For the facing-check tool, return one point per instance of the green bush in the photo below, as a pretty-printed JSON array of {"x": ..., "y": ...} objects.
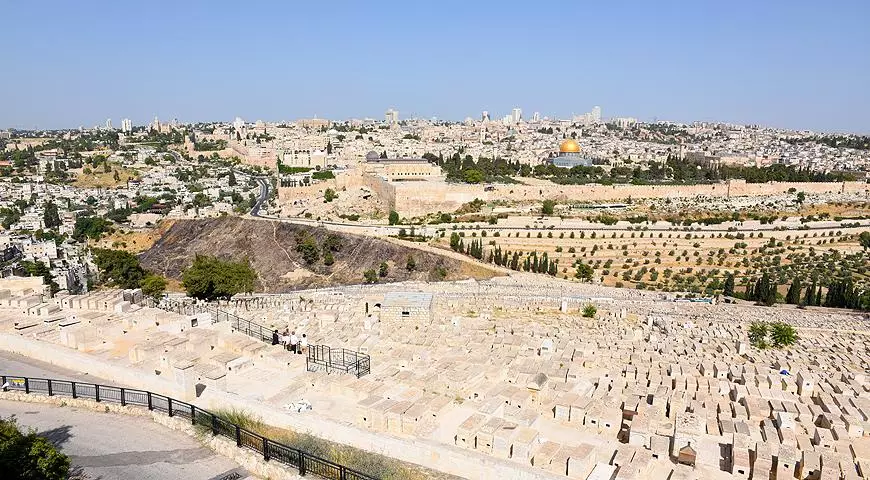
[
  {"x": 589, "y": 310},
  {"x": 28, "y": 456},
  {"x": 210, "y": 278}
]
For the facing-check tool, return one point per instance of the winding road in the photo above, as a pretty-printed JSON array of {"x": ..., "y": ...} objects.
[{"x": 110, "y": 446}]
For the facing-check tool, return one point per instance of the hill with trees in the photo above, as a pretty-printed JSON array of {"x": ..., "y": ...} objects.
[{"x": 286, "y": 257}]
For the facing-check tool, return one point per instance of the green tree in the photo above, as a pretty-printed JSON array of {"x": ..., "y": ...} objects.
[
  {"x": 728, "y": 290},
  {"x": 119, "y": 268},
  {"x": 455, "y": 242},
  {"x": 28, "y": 456},
  {"x": 394, "y": 217},
  {"x": 864, "y": 240},
  {"x": 370, "y": 276},
  {"x": 472, "y": 175},
  {"x": 411, "y": 264},
  {"x": 231, "y": 179},
  {"x": 383, "y": 269},
  {"x": 794, "y": 292},
  {"x": 589, "y": 310},
  {"x": 309, "y": 250},
  {"x": 801, "y": 196},
  {"x": 50, "y": 216},
  {"x": 584, "y": 272},
  {"x": 547, "y": 207},
  {"x": 328, "y": 259},
  {"x": 329, "y": 195},
  {"x": 210, "y": 278},
  {"x": 90, "y": 227},
  {"x": 153, "y": 286}
]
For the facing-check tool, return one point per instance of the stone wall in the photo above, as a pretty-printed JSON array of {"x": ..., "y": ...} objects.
[{"x": 419, "y": 198}]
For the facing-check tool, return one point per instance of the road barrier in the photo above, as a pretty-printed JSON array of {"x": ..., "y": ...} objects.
[{"x": 269, "y": 449}]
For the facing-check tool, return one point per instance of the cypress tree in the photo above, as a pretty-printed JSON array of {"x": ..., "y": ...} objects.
[
  {"x": 810, "y": 296},
  {"x": 728, "y": 291},
  {"x": 794, "y": 293}
]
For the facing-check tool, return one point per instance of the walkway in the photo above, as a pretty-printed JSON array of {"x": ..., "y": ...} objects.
[{"x": 112, "y": 446}]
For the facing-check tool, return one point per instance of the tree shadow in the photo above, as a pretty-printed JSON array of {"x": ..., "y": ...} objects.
[{"x": 57, "y": 436}]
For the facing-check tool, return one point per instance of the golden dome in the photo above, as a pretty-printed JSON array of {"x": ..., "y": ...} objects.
[{"x": 569, "y": 146}]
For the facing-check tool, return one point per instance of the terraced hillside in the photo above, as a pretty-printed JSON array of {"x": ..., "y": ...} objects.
[{"x": 288, "y": 257}]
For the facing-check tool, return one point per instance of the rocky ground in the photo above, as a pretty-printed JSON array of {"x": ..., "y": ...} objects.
[{"x": 271, "y": 248}]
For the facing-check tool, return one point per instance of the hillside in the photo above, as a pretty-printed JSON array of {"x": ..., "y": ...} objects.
[{"x": 271, "y": 248}]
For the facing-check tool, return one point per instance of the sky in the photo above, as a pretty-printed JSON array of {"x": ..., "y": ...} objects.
[{"x": 793, "y": 64}]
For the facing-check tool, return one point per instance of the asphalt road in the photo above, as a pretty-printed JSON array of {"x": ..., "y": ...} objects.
[{"x": 110, "y": 446}]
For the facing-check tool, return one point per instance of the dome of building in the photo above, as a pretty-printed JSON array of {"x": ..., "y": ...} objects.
[
  {"x": 569, "y": 146},
  {"x": 373, "y": 155}
]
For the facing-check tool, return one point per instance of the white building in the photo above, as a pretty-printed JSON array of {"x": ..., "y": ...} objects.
[
  {"x": 516, "y": 115},
  {"x": 391, "y": 116},
  {"x": 126, "y": 125},
  {"x": 108, "y": 124},
  {"x": 596, "y": 114}
]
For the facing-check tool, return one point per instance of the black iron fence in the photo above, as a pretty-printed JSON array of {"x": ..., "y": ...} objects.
[
  {"x": 331, "y": 359},
  {"x": 337, "y": 359},
  {"x": 269, "y": 449}
]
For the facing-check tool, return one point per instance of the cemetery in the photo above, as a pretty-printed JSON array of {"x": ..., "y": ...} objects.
[{"x": 499, "y": 378}]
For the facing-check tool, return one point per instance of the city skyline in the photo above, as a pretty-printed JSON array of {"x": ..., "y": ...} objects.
[{"x": 791, "y": 65}]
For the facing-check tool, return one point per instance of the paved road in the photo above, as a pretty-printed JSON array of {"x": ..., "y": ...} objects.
[
  {"x": 13, "y": 364},
  {"x": 263, "y": 195},
  {"x": 91, "y": 439},
  {"x": 113, "y": 446}
]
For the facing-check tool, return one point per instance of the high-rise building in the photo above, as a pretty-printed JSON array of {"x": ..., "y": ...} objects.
[
  {"x": 155, "y": 125},
  {"x": 536, "y": 117},
  {"x": 108, "y": 124},
  {"x": 126, "y": 125},
  {"x": 238, "y": 124},
  {"x": 596, "y": 114},
  {"x": 391, "y": 116},
  {"x": 484, "y": 116},
  {"x": 517, "y": 115}
]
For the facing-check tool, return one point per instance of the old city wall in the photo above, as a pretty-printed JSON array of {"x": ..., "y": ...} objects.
[
  {"x": 381, "y": 189},
  {"x": 420, "y": 198},
  {"x": 306, "y": 191}
]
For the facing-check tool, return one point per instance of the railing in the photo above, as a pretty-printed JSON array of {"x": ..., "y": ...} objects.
[
  {"x": 269, "y": 449},
  {"x": 332, "y": 359},
  {"x": 340, "y": 359}
]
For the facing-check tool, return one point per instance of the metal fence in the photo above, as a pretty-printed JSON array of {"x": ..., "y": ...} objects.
[
  {"x": 332, "y": 359},
  {"x": 306, "y": 463},
  {"x": 337, "y": 359}
]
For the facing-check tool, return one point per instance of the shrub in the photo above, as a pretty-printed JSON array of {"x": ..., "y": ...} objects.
[
  {"x": 782, "y": 334},
  {"x": 209, "y": 278},
  {"x": 27, "y": 455},
  {"x": 589, "y": 310}
]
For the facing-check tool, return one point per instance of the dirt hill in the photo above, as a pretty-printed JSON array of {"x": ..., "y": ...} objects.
[{"x": 271, "y": 248}]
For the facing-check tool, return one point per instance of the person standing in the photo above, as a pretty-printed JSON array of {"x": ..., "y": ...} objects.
[
  {"x": 285, "y": 339},
  {"x": 275, "y": 337},
  {"x": 303, "y": 344},
  {"x": 294, "y": 342}
]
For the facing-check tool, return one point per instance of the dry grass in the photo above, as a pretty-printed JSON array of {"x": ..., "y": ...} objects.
[
  {"x": 372, "y": 464},
  {"x": 100, "y": 179}
]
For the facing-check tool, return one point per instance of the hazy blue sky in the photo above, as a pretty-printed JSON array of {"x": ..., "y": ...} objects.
[{"x": 797, "y": 64}]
